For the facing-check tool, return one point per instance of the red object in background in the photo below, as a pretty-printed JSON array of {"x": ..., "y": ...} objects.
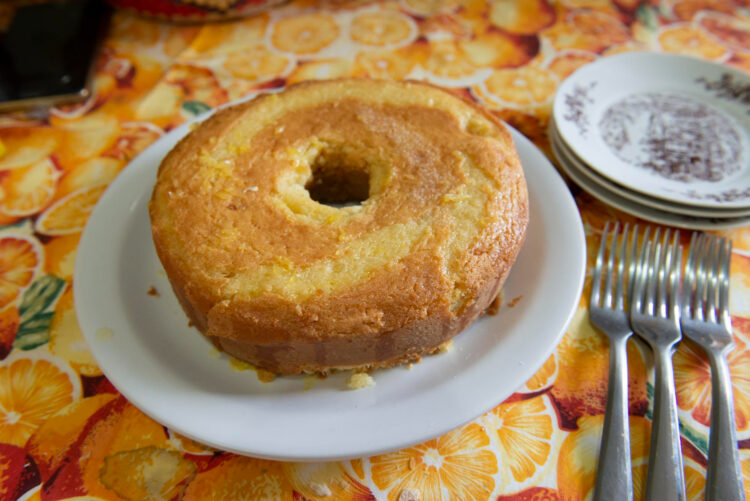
[{"x": 195, "y": 10}]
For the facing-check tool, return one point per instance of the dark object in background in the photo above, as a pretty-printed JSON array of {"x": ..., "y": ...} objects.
[
  {"x": 194, "y": 11},
  {"x": 47, "y": 52}
]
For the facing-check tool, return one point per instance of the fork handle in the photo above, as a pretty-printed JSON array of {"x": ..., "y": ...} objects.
[
  {"x": 724, "y": 478},
  {"x": 666, "y": 477},
  {"x": 614, "y": 478}
]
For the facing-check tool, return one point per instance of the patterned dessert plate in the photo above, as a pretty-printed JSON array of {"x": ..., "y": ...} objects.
[
  {"x": 636, "y": 209},
  {"x": 144, "y": 346},
  {"x": 573, "y": 162},
  {"x": 672, "y": 127}
]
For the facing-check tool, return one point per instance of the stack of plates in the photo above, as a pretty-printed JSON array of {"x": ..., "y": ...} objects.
[{"x": 665, "y": 138}]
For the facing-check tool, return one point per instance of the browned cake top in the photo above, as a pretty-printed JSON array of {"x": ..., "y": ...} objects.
[{"x": 234, "y": 210}]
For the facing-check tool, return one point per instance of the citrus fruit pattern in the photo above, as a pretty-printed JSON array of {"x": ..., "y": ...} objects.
[
  {"x": 65, "y": 432},
  {"x": 459, "y": 463},
  {"x": 28, "y": 190},
  {"x": 382, "y": 28},
  {"x": 68, "y": 215},
  {"x": 21, "y": 258},
  {"x": 33, "y": 388},
  {"x": 527, "y": 435},
  {"x": 304, "y": 34}
]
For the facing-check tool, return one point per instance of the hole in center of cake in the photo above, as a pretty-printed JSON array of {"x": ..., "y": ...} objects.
[{"x": 338, "y": 179}]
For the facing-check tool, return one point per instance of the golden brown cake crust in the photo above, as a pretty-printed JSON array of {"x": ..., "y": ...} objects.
[{"x": 291, "y": 285}]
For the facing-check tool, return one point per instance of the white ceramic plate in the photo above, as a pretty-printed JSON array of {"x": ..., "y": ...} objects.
[
  {"x": 672, "y": 127},
  {"x": 642, "y": 211},
  {"x": 167, "y": 369},
  {"x": 655, "y": 203}
]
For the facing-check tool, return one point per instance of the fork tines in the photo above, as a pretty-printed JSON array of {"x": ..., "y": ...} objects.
[{"x": 705, "y": 320}]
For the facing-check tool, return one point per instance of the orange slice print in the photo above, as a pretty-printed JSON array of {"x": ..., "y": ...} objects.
[
  {"x": 240, "y": 478},
  {"x": 693, "y": 382},
  {"x": 527, "y": 437},
  {"x": 256, "y": 64},
  {"x": 322, "y": 69},
  {"x": 382, "y": 28},
  {"x": 445, "y": 60},
  {"x": 21, "y": 259},
  {"x": 10, "y": 320},
  {"x": 33, "y": 388},
  {"x": 134, "y": 138},
  {"x": 60, "y": 256},
  {"x": 578, "y": 456},
  {"x": 28, "y": 190},
  {"x": 690, "y": 41},
  {"x": 566, "y": 62},
  {"x": 496, "y": 49},
  {"x": 458, "y": 464},
  {"x": 26, "y": 146},
  {"x": 305, "y": 34},
  {"x": 395, "y": 65},
  {"x": 50, "y": 442},
  {"x": 94, "y": 172},
  {"x": 69, "y": 214},
  {"x": 220, "y": 38},
  {"x": 432, "y": 7},
  {"x": 686, "y": 9},
  {"x": 588, "y": 30},
  {"x": 66, "y": 340},
  {"x": 695, "y": 479},
  {"x": 740, "y": 281},
  {"x": 189, "y": 445},
  {"x": 580, "y": 388},
  {"x": 318, "y": 481},
  {"x": 147, "y": 473},
  {"x": 733, "y": 32},
  {"x": 86, "y": 137},
  {"x": 527, "y": 17},
  {"x": 527, "y": 86},
  {"x": 544, "y": 376}
]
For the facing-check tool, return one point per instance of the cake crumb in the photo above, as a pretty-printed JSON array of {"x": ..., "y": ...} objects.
[
  {"x": 446, "y": 347},
  {"x": 190, "y": 323},
  {"x": 495, "y": 305},
  {"x": 410, "y": 366},
  {"x": 359, "y": 380},
  {"x": 153, "y": 292},
  {"x": 409, "y": 495},
  {"x": 514, "y": 301},
  {"x": 104, "y": 334},
  {"x": 321, "y": 490}
]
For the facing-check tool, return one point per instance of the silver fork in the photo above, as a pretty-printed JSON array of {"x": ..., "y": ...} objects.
[
  {"x": 607, "y": 312},
  {"x": 655, "y": 317},
  {"x": 705, "y": 320}
]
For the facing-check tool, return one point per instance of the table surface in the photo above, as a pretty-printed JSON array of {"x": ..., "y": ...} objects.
[{"x": 66, "y": 432}]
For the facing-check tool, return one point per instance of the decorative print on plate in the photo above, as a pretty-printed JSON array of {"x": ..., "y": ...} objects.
[
  {"x": 673, "y": 136},
  {"x": 575, "y": 107},
  {"x": 726, "y": 87},
  {"x": 724, "y": 196}
]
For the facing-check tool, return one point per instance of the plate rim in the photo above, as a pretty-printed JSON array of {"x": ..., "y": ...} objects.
[
  {"x": 549, "y": 180},
  {"x": 637, "y": 197},
  {"x": 664, "y": 218}
]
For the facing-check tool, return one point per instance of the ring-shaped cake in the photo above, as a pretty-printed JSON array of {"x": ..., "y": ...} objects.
[{"x": 340, "y": 224}]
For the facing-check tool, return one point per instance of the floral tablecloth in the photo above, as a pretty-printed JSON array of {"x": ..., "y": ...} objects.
[{"x": 65, "y": 431}]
